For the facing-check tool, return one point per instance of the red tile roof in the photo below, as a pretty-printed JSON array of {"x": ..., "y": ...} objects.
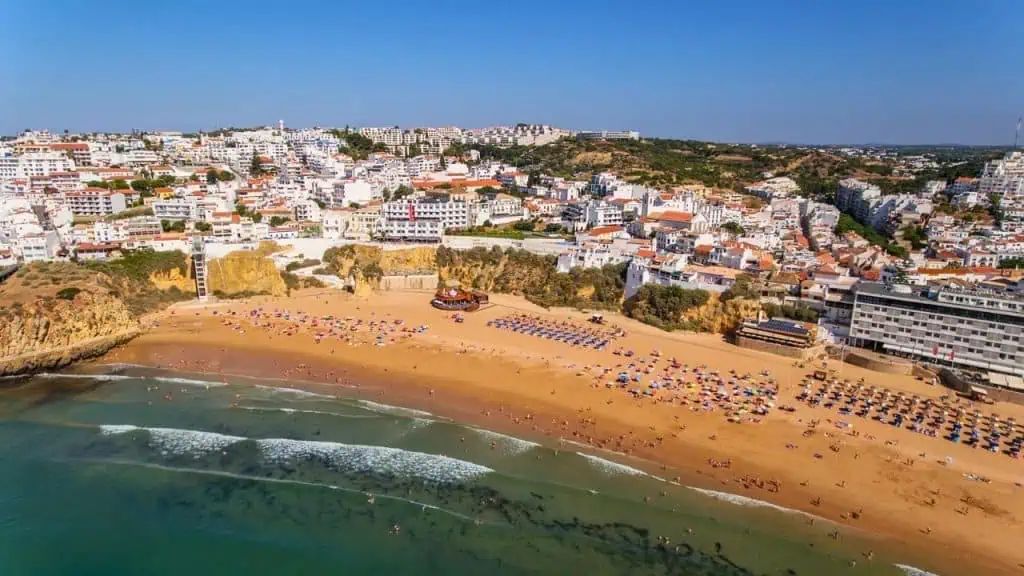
[
  {"x": 602, "y": 230},
  {"x": 671, "y": 216}
]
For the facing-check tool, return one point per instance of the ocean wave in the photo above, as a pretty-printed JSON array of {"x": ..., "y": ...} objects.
[
  {"x": 294, "y": 392},
  {"x": 912, "y": 571},
  {"x": 342, "y": 457},
  {"x": 752, "y": 502},
  {"x": 613, "y": 467},
  {"x": 188, "y": 381},
  {"x": 363, "y": 459},
  {"x": 511, "y": 444},
  {"x": 225, "y": 474},
  {"x": 395, "y": 410},
  {"x": 298, "y": 411},
  {"x": 177, "y": 441},
  {"x": 100, "y": 377}
]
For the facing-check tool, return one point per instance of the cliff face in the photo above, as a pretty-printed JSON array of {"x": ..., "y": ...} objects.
[
  {"x": 721, "y": 317},
  {"x": 245, "y": 272},
  {"x": 363, "y": 266},
  {"x": 174, "y": 278},
  {"x": 53, "y": 332},
  {"x": 52, "y": 314}
]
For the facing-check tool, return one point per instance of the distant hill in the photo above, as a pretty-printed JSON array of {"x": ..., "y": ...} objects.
[{"x": 664, "y": 163}]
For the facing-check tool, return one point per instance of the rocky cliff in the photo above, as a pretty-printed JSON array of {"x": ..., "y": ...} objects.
[
  {"x": 245, "y": 272},
  {"x": 364, "y": 266},
  {"x": 721, "y": 317},
  {"x": 52, "y": 315}
]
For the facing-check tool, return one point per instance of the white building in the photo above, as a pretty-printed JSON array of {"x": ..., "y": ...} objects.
[
  {"x": 1004, "y": 177},
  {"x": 773, "y": 188},
  {"x": 34, "y": 164},
  {"x": 38, "y": 247},
  {"x": 307, "y": 210},
  {"x": 176, "y": 209},
  {"x": 601, "y": 213},
  {"x": 450, "y": 213},
  {"x": 95, "y": 202},
  {"x": 418, "y": 230}
]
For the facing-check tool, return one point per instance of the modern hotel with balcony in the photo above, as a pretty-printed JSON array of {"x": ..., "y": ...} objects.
[{"x": 973, "y": 329}]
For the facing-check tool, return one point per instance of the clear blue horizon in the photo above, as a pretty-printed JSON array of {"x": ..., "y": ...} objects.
[{"x": 907, "y": 72}]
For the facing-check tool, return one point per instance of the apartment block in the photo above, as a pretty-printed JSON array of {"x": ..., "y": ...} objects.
[
  {"x": 95, "y": 202},
  {"x": 976, "y": 329}
]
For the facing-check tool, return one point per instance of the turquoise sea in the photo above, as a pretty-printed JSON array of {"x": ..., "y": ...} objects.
[{"x": 105, "y": 474}]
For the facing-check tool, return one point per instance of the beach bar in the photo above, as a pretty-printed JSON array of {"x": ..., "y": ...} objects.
[
  {"x": 779, "y": 336},
  {"x": 457, "y": 299}
]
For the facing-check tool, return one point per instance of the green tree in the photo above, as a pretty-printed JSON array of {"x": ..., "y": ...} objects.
[
  {"x": 896, "y": 250},
  {"x": 276, "y": 221},
  {"x": 663, "y": 306},
  {"x": 225, "y": 176},
  {"x": 203, "y": 226},
  {"x": 142, "y": 186},
  {"x": 68, "y": 293},
  {"x": 255, "y": 168},
  {"x": 995, "y": 208},
  {"x": 98, "y": 184},
  {"x": 733, "y": 228},
  {"x": 241, "y": 209},
  {"x": 256, "y": 217},
  {"x": 401, "y": 192},
  {"x": 165, "y": 181},
  {"x": 916, "y": 235},
  {"x": 211, "y": 176},
  {"x": 743, "y": 288},
  {"x": 119, "y": 184},
  {"x": 1011, "y": 263},
  {"x": 172, "y": 225}
]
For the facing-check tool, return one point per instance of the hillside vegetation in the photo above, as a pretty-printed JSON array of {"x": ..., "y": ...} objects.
[
  {"x": 525, "y": 274},
  {"x": 52, "y": 314}
]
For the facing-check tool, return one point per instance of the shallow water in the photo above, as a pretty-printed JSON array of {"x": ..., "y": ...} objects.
[{"x": 102, "y": 475}]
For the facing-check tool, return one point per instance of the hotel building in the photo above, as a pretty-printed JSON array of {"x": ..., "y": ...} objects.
[{"x": 974, "y": 329}]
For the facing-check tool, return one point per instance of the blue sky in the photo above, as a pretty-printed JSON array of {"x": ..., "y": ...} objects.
[{"x": 828, "y": 71}]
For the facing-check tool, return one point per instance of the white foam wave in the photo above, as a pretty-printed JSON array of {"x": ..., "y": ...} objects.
[
  {"x": 225, "y": 474},
  {"x": 342, "y": 457},
  {"x": 612, "y": 467},
  {"x": 752, "y": 502},
  {"x": 100, "y": 377},
  {"x": 189, "y": 381},
  {"x": 111, "y": 429},
  {"x": 511, "y": 444},
  {"x": 293, "y": 392},
  {"x": 417, "y": 423},
  {"x": 912, "y": 571},
  {"x": 176, "y": 441},
  {"x": 297, "y": 411},
  {"x": 396, "y": 410},
  {"x": 363, "y": 459}
]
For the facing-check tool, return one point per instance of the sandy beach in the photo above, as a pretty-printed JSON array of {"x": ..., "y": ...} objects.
[{"x": 910, "y": 489}]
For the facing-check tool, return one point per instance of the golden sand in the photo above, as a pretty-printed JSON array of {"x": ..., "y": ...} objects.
[{"x": 909, "y": 488}]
